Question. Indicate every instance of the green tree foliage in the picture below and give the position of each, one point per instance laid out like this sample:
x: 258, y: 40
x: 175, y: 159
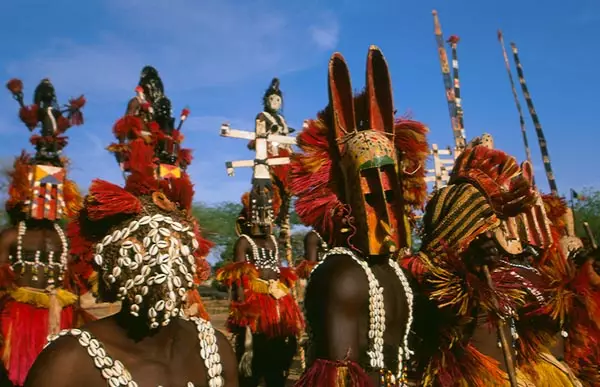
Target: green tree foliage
x: 588, y: 210
x: 218, y: 225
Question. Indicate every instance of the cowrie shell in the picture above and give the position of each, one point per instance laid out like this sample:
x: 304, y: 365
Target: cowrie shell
x: 134, y: 308
x: 156, y: 238
x: 144, y: 220
x: 133, y: 226
x: 127, y: 244
x: 176, y: 226
x: 162, y: 244
x: 107, y: 373
x: 153, y: 232
x: 153, y: 224
x: 116, y: 235
x: 107, y: 240
x: 163, y: 258
x: 158, y: 217
x: 195, y: 243
x: 185, y: 250
x: 160, y: 305
x: 147, y: 241
x: 116, y: 271
x: 123, y: 252
x: 138, y: 280
x: 129, y: 284
x: 138, y: 299
x: 98, y: 259
x: 138, y: 258
x: 153, y: 250
x: 191, y: 260
x: 177, y: 281
x: 160, y: 278
x: 165, y: 269
x: 134, y: 266
x: 152, y: 313
x: 164, y: 231
x: 145, y: 290
x: 152, y: 262
x: 99, y: 248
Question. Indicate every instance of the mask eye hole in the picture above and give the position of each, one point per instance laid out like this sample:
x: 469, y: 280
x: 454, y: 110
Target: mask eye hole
x: 389, y: 196
x: 369, y: 198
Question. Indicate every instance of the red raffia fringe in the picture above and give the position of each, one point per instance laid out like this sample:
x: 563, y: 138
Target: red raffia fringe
x: 304, y: 268
x: 25, y: 331
x: 327, y: 373
x: 236, y: 272
x: 287, y: 276
x: 107, y: 199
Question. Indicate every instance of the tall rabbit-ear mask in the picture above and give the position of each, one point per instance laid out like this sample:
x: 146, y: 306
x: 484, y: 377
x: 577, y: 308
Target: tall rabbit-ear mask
x: 379, y: 92
x: 341, y: 99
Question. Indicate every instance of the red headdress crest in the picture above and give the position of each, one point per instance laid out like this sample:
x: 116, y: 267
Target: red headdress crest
x: 39, y: 188
x: 361, y: 127
x: 108, y: 208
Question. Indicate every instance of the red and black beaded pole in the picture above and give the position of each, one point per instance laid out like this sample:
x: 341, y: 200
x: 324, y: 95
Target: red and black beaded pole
x: 459, y: 135
x: 516, y: 97
x: 453, y: 41
x: 536, y: 122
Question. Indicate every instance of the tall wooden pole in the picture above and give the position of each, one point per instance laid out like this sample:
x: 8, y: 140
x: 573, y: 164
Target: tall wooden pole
x: 453, y: 41
x: 459, y: 135
x: 536, y: 123
x: 516, y: 97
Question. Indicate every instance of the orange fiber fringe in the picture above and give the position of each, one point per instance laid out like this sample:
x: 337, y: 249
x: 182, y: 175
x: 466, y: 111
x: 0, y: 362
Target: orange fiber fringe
x: 304, y: 268
x: 341, y: 373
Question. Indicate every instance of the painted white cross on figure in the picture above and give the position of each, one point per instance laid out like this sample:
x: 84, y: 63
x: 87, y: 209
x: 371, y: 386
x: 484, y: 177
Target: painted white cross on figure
x: 262, y: 137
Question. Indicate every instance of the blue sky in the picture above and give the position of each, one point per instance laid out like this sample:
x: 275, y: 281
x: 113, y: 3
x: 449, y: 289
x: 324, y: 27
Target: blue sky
x: 218, y: 57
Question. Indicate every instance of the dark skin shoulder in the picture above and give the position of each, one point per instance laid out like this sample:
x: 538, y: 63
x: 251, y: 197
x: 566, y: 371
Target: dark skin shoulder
x: 312, y: 244
x: 171, y: 359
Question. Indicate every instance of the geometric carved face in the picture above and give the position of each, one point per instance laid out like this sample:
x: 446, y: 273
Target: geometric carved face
x: 47, y: 200
x: 369, y: 161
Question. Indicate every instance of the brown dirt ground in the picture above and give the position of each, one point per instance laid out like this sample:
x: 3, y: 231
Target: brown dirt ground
x: 217, y: 309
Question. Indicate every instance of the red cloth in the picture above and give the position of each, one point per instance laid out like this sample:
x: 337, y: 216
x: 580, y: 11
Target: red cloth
x: 25, y: 332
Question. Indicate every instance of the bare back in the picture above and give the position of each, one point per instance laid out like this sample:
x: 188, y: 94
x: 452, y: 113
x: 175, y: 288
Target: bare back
x: 169, y: 358
x: 337, y: 307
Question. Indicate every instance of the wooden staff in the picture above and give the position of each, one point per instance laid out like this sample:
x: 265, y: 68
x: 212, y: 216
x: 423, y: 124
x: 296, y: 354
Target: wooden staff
x: 590, y: 235
x: 459, y: 136
x: 453, y: 41
x: 536, y: 122
x: 508, y: 358
x: 517, y: 103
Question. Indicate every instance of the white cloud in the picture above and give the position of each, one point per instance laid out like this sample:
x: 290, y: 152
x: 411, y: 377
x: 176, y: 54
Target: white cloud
x: 326, y: 34
x: 192, y: 43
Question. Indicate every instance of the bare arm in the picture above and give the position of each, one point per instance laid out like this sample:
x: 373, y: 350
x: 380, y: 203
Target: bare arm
x: 311, y: 246
x: 228, y: 360
x: 132, y: 107
x: 239, y: 255
x: 7, y: 237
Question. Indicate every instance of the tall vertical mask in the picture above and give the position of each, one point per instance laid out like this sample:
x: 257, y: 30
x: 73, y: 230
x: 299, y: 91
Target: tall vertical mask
x: 369, y: 162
